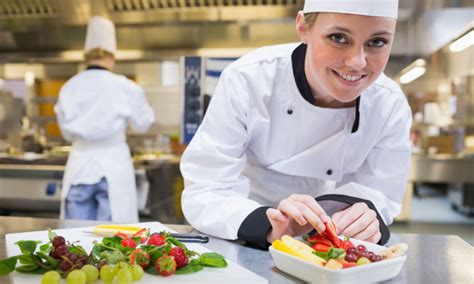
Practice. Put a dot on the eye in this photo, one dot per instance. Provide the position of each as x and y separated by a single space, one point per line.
338 38
378 42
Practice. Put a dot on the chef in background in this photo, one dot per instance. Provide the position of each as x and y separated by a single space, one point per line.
93 111
298 134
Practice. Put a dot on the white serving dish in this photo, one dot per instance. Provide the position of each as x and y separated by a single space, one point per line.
312 273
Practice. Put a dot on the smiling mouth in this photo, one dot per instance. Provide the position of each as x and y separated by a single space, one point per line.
348 77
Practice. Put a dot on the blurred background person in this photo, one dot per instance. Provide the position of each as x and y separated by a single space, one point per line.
93 110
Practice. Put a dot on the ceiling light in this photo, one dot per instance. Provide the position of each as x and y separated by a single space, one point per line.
463 42
413 71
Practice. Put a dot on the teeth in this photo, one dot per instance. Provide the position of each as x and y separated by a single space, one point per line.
351 78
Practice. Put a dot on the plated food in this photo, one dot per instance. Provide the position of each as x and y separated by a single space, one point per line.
125 256
327 257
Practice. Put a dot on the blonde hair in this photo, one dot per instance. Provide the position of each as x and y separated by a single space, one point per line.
309 19
97 53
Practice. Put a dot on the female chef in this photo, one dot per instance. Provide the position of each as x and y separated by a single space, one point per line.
294 122
93 111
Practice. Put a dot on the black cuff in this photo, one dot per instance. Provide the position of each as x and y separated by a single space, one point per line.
254 229
384 231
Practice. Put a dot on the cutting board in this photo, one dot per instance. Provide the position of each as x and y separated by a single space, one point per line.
233 273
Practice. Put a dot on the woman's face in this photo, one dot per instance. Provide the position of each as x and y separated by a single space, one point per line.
346 53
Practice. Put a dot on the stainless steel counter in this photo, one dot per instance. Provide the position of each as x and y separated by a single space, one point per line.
442 169
431 258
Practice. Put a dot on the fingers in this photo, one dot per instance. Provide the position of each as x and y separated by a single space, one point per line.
349 216
369 232
375 238
279 222
304 209
358 221
276 217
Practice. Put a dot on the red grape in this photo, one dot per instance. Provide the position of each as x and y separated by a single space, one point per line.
370 254
361 248
58 241
61 250
65 266
376 258
364 254
71 256
351 257
352 250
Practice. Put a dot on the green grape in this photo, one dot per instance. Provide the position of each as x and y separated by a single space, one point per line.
137 272
107 273
121 265
51 277
76 277
363 261
92 273
124 276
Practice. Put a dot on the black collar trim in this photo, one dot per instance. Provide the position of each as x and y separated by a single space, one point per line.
96 67
297 61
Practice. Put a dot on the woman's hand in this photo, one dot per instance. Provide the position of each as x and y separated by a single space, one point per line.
359 222
296 215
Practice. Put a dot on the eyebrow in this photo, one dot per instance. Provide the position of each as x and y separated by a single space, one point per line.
342 29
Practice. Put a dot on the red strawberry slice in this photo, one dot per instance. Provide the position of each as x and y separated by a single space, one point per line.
157 240
319 239
129 243
330 234
321 247
143 234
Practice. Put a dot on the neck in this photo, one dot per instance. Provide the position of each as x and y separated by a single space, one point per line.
329 102
104 62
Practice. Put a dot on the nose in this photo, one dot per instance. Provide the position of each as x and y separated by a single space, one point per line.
356 58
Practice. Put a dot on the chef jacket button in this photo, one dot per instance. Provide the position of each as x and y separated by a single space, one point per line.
329 172
289 111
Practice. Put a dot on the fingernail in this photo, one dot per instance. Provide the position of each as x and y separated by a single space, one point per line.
321 228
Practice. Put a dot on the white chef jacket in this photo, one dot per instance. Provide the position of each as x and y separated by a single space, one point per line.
93 110
261 141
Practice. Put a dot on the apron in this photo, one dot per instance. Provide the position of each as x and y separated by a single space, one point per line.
112 158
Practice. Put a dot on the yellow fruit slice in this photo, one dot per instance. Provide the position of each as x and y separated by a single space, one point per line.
279 245
111 230
299 249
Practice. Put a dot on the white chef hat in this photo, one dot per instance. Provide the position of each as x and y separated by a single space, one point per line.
100 34
378 8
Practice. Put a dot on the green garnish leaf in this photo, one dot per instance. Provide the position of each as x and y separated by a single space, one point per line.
30 270
51 235
322 254
192 267
46 248
212 259
54 262
335 252
7 266
28 267
25 259
27 247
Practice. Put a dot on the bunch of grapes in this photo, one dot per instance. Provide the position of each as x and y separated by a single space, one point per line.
361 255
124 272
69 260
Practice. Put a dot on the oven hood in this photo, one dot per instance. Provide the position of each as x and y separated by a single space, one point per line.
49 30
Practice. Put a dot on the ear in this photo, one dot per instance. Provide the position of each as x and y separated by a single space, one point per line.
301 28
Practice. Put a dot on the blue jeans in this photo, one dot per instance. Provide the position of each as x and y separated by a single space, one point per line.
88 202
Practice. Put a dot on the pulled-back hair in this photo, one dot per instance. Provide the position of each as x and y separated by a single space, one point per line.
309 19
97 53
